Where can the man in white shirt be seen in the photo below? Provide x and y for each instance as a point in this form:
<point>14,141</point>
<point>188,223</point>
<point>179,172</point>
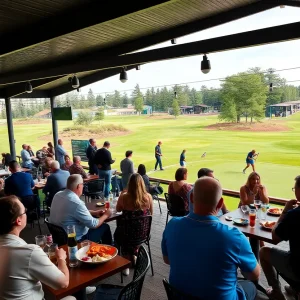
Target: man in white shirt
<point>29,265</point>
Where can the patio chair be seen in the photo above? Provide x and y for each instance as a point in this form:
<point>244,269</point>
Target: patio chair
<point>59,235</point>
<point>131,291</point>
<point>31,202</point>
<point>295,285</point>
<point>135,232</point>
<point>174,294</point>
<point>94,188</point>
<point>154,191</point>
<point>175,205</point>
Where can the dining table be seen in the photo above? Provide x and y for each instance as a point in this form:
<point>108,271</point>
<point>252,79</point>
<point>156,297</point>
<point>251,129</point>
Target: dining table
<point>256,234</point>
<point>3,172</point>
<point>87,275</point>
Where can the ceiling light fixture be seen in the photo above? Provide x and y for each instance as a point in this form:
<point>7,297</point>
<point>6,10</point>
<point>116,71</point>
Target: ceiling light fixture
<point>28,87</point>
<point>173,41</point>
<point>138,67</point>
<point>205,65</point>
<point>123,75</point>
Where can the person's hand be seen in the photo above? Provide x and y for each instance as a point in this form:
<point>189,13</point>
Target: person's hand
<point>107,213</point>
<point>46,174</point>
<point>100,212</point>
<point>290,205</point>
<point>261,187</point>
<point>61,253</point>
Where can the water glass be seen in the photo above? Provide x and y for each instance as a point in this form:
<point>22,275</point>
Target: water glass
<point>264,208</point>
<point>257,204</point>
<point>244,209</point>
<point>52,253</point>
<point>41,241</point>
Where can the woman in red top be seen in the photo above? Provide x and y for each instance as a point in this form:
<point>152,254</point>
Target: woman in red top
<point>180,187</point>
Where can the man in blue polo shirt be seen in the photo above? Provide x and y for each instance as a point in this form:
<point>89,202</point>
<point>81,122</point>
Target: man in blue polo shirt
<point>18,183</point>
<point>204,254</point>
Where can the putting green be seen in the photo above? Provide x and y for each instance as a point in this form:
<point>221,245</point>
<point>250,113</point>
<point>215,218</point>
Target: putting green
<point>278,162</point>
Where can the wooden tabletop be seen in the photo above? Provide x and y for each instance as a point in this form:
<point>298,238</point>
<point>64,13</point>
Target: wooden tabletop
<point>257,232</point>
<point>92,206</point>
<point>90,178</point>
<point>86,275</point>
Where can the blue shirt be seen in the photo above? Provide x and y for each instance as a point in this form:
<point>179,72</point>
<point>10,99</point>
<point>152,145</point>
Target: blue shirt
<point>56,182</point>
<point>26,160</point>
<point>250,154</point>
<point>204,255</point>
<point>68,209</point>
<point>157,150</point>
<point>182,157</point>
<point>60,154</point>
<point>19,184</point>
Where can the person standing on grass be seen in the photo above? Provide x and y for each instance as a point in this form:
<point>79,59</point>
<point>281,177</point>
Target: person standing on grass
<point>158,156</point>
<point>90,154</point>
<point>182,161</point>
<point>250,161</point>
<point>60,152</point>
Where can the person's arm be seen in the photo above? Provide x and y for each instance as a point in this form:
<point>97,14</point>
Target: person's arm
<point>245,199</point>
<point>32,182</point>
<point>42,269</point>
<point>131,167</point>
<point>83,173</point>
<point>111,161</point>
<point>246,259</point>
<point>164,247</point>
<point>281,230</point>
<point>263,194</point>
<point>120,205</point>
<point>48,185</point>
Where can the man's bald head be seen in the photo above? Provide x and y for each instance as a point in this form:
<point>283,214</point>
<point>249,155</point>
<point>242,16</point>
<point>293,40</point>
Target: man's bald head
<point>207,192</point>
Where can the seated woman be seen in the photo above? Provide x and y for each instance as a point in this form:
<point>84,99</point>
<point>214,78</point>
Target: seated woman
<point>253,190</point>
<point>180,187</point>
<point>142,171</point>
<point>68,163</point>
<point>134,202</point>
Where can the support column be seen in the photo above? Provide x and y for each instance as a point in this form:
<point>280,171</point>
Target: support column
<point>54,124</point>
<point>10,128</point>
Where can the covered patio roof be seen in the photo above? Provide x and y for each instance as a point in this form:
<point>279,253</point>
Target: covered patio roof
<point>45,41</point>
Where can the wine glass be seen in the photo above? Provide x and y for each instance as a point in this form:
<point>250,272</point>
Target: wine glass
<point>257,204</point>
<point>244,209</point>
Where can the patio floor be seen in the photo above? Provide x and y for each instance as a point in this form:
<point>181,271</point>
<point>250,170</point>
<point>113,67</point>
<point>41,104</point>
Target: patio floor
<point>153,287</point>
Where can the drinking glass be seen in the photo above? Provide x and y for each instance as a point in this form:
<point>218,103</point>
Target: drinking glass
<point>52,253</point>
<point>41,241</point>
<point>252,215</point>
<point>257,204</point>
<point>264,208</point>
<point>244,209</point>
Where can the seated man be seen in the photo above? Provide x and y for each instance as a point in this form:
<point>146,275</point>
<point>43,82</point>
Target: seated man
<point>28,265</point>
<point>26,158</point>
<point>210,173</point>
<point>204,254</point>
<point>56,181</point>
<point>18,183</point>
<point>68,209</point>
<point>76,168</point>
<point>286,262</point>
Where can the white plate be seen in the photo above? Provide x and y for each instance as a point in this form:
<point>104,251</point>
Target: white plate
<point>274,214</point>
<point>82,253</point>
<point>265,227</point>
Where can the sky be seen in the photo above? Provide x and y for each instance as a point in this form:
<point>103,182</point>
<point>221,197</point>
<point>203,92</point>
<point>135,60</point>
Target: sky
<point>278,56</point>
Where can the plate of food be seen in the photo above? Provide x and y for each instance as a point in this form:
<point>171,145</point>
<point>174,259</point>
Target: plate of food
<point>268,224</point>
<point>240,221</point>
<point>275,211</point>
<point>96,253</point>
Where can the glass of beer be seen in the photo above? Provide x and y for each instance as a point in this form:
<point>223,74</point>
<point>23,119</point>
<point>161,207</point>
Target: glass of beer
<point>52,253</point>
<point>252,216</point>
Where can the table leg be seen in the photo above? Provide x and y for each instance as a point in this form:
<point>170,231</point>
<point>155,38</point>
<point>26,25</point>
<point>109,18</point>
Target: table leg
<point>80,295</point>
<point>254,243</point>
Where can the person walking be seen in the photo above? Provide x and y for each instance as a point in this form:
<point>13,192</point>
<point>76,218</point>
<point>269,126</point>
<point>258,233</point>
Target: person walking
<point>104,161</point>
<point>158,156</point>
<point>90,154</point>
<point>182,161</point>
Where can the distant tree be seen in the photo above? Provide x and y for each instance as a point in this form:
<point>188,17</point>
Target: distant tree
<point>84,118</point>
<point>195,97</point>
<point>124,100</point>
<point>99,114</point>
<point>3,113</point>
<point>136,93</point>
<point>82,102</point>
<point>138,104</point>
<point>175,108</point>
<point>91,99</point>
<point>117,101</point>
<point>99,100</point>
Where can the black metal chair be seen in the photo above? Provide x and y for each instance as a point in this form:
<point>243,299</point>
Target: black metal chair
<point>31,202</point>
<point>174,294</point>
<point>175,205</point>
<point>94,188</point>
<point>295,285</point>
<point>155,193</point>
<point>132,233</point>
<point>59,235</point>
<point>131,291</point>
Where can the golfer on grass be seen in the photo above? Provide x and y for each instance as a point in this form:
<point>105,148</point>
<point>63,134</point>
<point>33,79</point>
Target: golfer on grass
<point>158,155</point>
<point>250,160</point>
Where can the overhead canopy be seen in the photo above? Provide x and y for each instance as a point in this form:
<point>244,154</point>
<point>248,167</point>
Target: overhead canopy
<point>46,41</point>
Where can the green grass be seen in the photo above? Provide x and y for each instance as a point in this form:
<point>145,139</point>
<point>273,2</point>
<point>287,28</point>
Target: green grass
<point>278,162</point>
